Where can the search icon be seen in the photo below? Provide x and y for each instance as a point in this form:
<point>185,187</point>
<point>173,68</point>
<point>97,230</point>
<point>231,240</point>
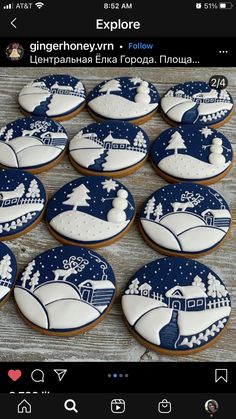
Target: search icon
<point>70,405</point>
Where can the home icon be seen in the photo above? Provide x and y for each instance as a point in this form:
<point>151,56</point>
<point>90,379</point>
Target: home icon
<point>24,407</point>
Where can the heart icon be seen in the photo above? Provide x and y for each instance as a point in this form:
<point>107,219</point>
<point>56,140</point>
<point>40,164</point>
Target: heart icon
<point>14,374</point>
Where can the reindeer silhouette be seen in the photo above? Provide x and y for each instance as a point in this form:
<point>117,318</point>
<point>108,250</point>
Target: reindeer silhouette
<point>191,201</point>
<point>72,266</point>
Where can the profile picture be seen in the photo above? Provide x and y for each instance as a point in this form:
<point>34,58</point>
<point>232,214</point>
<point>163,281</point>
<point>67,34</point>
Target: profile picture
<point>14,51</point>
<point>211,406</point>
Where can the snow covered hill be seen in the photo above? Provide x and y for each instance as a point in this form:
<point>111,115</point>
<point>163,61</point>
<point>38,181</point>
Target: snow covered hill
<point>117,107</point>
<point>79,226</point>
<point>188,167</point>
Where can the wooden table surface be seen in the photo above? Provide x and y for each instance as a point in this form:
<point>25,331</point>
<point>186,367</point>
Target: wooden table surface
<point>110,340</point>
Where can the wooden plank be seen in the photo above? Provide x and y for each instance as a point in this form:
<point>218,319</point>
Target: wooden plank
<point>110,340</point>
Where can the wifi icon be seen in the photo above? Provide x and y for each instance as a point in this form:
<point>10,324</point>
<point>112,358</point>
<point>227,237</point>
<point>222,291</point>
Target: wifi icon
<point>39,5</point>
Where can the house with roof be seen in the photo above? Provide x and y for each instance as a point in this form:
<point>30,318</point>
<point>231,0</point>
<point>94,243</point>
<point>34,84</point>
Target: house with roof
<point>97,293</point>
<point>217,217</point>
<point>187,298</point>
<point>115,143</point>
<point>145,289</point>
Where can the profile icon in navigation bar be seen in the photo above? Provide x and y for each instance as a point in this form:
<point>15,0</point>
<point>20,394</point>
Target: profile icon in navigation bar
<point>211,406</point>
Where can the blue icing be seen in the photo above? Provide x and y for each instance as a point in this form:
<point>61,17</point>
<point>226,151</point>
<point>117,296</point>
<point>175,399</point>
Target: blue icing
<point>194,142</point>
<point>124,87</point>
<point>114,137</point>
<point>67,274</point>
<point>22,201</point>
<point>209,105</point>
<point>54,84</point>
<point>186,218</point>
<point>73,205</point>
<point>8,270</point>
<point>191,298</point>
<point>47,132</point>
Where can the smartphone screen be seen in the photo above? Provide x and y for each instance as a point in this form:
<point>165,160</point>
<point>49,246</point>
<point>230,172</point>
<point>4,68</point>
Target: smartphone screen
<point>117,206</point>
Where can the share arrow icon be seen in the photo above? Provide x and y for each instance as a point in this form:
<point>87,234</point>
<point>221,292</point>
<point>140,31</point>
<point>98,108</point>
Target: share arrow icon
<point>61,374</point>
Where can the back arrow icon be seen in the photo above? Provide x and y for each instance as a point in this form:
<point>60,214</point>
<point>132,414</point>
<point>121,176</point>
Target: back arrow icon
<point>13,22</point>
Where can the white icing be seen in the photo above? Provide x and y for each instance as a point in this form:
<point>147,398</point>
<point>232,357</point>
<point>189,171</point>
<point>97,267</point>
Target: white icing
<point>80,226</point>
<point>191,322</point>
<point>117,107</point>
<point>142,98</point>
<point>7,155</point>
<point>160,235</point>
<point>215,148</point>
<point>30,97</point>
<point>217,160</point>
<point>180,221</point>
<point>122,193</point>
<point>109,185</point>
<point>188,167</point>
<point>84,157</point>
<point>116,216</point>
<point>120,159</point>
<point>120,203</point>
<point>30,307</point>
<point>53,291</point>
<point>209,108</point>
<point>217,141</point>
<point>200,238</point>
<point>61,104</point>
<point>69,314</point>
<point>168,102</point>
<point>187,291</point>
<point>134,306</point>
<point>20,143</point>
<point>79,142</point>
<point>10,213</point>
<point>4,290</point>
<point>151,323</point>
<point>177,112</point>
<point>37,155</point>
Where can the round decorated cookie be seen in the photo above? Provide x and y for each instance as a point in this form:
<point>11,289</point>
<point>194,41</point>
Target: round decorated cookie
<point>130,99</point>
<point>8,271</point>
<point>57,96</point>
<point>111,148</point>
<point>185,219</point>
<point>91,212</point>
<point>66,290</point>
<point>192,153</point>
<point>22,203</point>
<point>33,144</point>
<point>197,102</point>
<point>176,306</point>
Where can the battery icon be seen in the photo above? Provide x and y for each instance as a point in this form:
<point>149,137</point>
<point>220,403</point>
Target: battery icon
<point>226,6</point>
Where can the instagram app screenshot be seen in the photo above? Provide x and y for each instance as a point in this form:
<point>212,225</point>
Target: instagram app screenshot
<point>117,207</point>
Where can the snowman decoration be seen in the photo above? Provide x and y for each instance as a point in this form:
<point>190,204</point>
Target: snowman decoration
<point>216,152</point>
<point>143,91</point>
<point>120,203</point>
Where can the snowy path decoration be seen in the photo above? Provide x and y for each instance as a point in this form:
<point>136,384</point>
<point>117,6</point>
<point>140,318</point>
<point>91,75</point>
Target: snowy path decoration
<point>185,218</point>
<point>192,153</point>
<point>124,98</point>
<point>31,143</point>
<point>110,146</point>
<point>22,201</point>
<point>55,96</point>
<point>176,305</point>
<point>197,103</point>
<point>90,210</point>
<point>7,272</point>
<point>65,290</point>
